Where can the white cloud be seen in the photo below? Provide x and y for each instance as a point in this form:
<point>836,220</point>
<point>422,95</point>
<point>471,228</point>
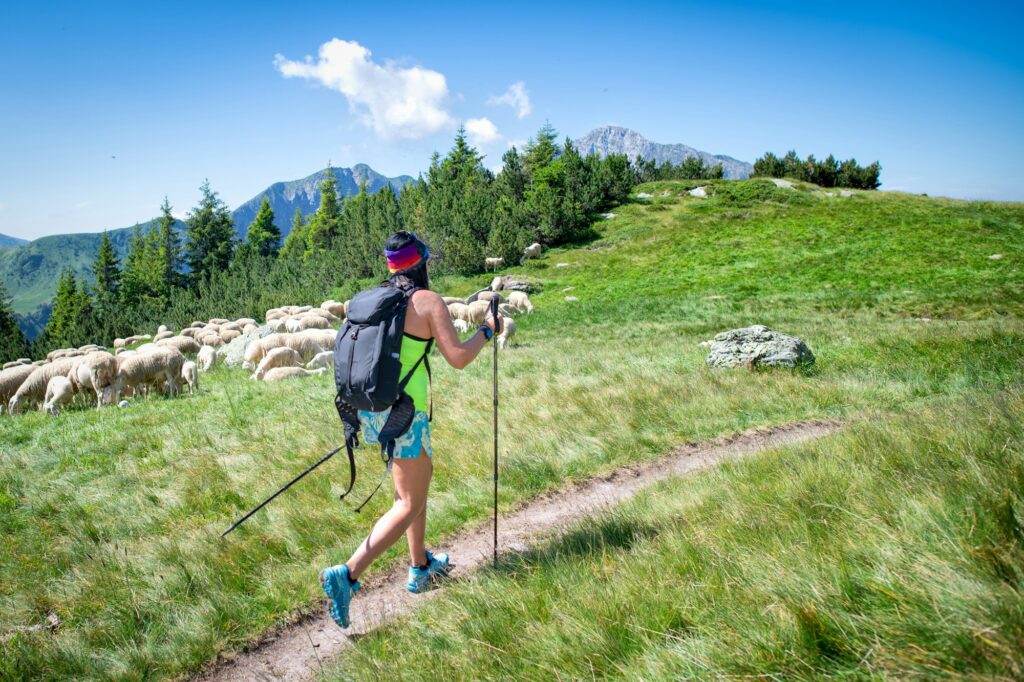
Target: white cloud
<point>396,102</point>
<point>481,131</point>
<point>515,97</point>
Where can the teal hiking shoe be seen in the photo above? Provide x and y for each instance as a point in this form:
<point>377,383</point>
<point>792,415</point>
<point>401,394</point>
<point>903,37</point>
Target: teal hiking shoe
<point>420,579</point>
<point>339,592</point>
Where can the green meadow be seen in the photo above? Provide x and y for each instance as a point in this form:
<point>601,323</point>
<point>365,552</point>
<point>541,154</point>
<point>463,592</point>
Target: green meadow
<point>888,550</point>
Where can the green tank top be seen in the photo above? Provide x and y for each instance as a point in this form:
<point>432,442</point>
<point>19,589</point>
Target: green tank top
<point>412,350</point>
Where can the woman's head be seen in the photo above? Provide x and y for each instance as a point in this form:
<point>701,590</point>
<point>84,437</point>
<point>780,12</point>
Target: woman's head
<point>407,258</point>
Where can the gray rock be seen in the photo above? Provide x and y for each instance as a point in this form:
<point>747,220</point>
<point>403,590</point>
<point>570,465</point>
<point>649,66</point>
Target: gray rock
<point>608,216</point>
<point>644,195</point>
<point>699,192</point>
<point>232,354</point>
<point>571,298</point>
<point>511,284</point>
<point>758,346</point>
<point>996,256</point>
<point>846,193</point>
<point>782,183</point>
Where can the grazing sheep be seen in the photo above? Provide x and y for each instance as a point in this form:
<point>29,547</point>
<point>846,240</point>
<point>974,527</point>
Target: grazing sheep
<point>448,300</point>
<point>274,314</point>
<point>230,327</point>
<point>493,262</point>
<point>461,326</point>
<point>190,375</point>
<point>119,343</point>
<point>59,392</point>
<point>207,358</point>
<point>198,324</point>
<point>477,312</point>
<point>277,324</point>
<point>37,363</point>
<point>279,373</point>
<point>531,251</point>
<point>159,367</point>
<point>242,321</point>
<point>161,329</point>
<point>11,379</point>
<point>324,337</point>
<point>182,343</point>
<point>229,335</point>
<point>98,371</point>
<point>249,328</point>
<point>160,336</point>
<point>33,389</point>
<point>506,310</point>
<point>487,295</point>
<point>520,301</point>
<point>190,332</point>
<point>218,320</point>
<point>458,311</point>
<point>322,359</point>
<point>146,347</point>
<point>308,321</point>
<point>277,357</point>
<point>307,344</point>
<point>320,312</point>
<point>334,307</point>
<point>15,363</point>
<point>497,283</point>
<point>508,330</point>
<point>212,327</point>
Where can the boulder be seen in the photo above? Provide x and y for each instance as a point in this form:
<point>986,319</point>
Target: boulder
<point>699,192</point>
<point>757,346</point>
<point>233,353</point>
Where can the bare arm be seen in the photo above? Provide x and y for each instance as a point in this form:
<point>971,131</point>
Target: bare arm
<point>457,353</point>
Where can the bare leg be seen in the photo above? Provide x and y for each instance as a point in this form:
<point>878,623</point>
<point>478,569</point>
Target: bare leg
<point>412,482</point>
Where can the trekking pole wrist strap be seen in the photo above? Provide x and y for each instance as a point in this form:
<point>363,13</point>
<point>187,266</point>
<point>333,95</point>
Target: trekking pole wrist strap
<point>488,332</point>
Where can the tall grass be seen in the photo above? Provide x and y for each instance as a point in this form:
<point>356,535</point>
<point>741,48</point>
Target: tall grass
<point>111,519</point>
<point>892,550</point>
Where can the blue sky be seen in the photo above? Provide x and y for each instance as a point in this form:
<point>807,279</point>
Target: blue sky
<point>182,91</point>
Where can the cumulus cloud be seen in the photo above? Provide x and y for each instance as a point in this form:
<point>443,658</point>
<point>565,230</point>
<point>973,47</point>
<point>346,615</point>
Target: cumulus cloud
<point>395,101</point>
<point>515,97</point>
<point>481,131</point>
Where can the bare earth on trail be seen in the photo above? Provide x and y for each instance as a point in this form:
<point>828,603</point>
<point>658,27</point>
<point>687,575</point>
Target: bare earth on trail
<point>295,652</point>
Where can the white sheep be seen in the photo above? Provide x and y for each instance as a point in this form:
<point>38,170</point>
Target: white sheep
<point>182,343</point>
<point>477,312</point>
<point>279,373</point>
<point>59,392</point>
<point>249,328</point>
<point>207,358</point>
<point>33,389</point>
<point>274,314</point>
<point>161,329</point>
<point>160,336</point>
<point>218,320</point>
<point>11,379</point>
<point>461,326</point>
<point>497,283</point>
<point>493,262</point>
<point>531,251</point>
<point>229,335</point>
<point>190,375</point>
<point>277,324</point>
<point>506,310</point>
<point>458,311</point>
<point>98,371</point>
<point>520,301</point>
<point>307,344</point>
<point>119,343</point>
<point>334,307</point>
<point>190,332</point>
<point>448,300</point>
<point>277,357</point>
<point>487,295</point>
<point>323,359</point>
<point>324,337</point>
<point>508,330</point>
<point>242,321</point>
<point>160,367</point>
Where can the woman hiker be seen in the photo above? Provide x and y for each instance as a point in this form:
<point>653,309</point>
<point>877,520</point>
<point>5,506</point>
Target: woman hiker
<point>426,318</point>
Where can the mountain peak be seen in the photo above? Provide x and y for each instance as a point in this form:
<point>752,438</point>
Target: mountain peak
<point>618,140</point>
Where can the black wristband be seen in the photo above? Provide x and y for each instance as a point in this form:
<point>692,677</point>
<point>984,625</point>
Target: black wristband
<point>488,332</point>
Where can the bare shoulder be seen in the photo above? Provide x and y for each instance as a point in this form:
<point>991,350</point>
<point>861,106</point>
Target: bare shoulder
<point>425,299</point>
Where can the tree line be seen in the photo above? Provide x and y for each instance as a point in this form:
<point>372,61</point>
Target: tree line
<point>546,193</point>
<point>828,172</point>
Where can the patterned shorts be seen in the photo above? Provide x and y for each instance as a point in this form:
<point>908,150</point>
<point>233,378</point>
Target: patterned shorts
<point>407,446</point>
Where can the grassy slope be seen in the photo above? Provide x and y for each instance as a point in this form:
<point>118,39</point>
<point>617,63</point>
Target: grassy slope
<point>111,519</point>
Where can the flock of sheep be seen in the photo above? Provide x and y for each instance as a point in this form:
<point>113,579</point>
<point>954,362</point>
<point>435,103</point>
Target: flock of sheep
<point>296,341</point>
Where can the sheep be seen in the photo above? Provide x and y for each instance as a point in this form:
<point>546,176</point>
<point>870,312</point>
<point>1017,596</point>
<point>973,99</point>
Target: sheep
<point>461,326</point>
<point>320,312</point>
<point>242,321</point>
<point>11,379</point>
<point>333,307</point>
<point>531,251</point>
<point>90,347</point>
<point>279,373</point>
<point>306,322</point>
<point>119,343</point>
<point>448,300</point>
<point>160,336</point>
<point>190,375</point>
<point>212,327</point>
<point>493,262</point>
<point>98,371</point>
<point>458,311</point>
<point>487,295</point>
<point>231,327</point>
<point>277,324</point>
<point>506,310</point>
<point>15,363</point>
<point>508,330</point>
<point>161,366</point>
<point>207,358</point>
<point>218,320</point>
<point>321,359</point>
<point>497,283</point>
<point>477,312</point>
<point>198,324</point>
<point>307,344</point>
<point>182,343</point>
<point>59,392</point>
<point>249,329</point>
<point>146,347</point>
<point>277,357</point>
<point>520,301</point>
<point>274,314</point>
<point>161,329</point>
<point>324,337</point>
<point>37,363</point>
<point>230,335</point>
<point>190,332</point>
<point>214,340</point>
<point>33,388</point>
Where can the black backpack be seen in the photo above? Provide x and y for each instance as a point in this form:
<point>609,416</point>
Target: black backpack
<point>367,370</point>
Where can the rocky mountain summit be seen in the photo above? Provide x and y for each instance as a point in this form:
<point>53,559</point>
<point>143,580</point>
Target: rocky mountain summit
<point>617,140</point>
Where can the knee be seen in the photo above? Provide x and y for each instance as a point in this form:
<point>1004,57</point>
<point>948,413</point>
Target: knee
<point>407,509</point>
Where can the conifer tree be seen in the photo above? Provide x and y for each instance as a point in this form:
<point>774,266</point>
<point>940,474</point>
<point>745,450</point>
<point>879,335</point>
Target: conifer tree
<point>170,250</point>
<point>107,273</point>
<point>263,236</point>
<point>295,242</point>
<point>13,344</point>
<point>210,236</point>
<point>326,222</point>
<point>543,150</point>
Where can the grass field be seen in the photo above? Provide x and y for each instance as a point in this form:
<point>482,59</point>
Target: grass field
<point>111,519</point>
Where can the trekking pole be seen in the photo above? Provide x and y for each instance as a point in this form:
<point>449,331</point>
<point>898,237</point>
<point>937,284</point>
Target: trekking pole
<point>497,328</point>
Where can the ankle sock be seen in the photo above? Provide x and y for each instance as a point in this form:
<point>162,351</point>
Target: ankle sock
<point>424,567</point>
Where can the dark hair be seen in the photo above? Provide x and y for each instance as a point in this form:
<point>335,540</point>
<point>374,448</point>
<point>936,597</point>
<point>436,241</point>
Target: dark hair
<point>416,275</point>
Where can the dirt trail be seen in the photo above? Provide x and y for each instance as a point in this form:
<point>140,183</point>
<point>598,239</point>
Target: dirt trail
<point>296,652</point>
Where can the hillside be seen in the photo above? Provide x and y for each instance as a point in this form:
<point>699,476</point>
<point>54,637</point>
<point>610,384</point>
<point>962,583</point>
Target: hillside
<point>617,140</point>
<point>898,298</point>
<point>30,269</point>
<point>7,242</point>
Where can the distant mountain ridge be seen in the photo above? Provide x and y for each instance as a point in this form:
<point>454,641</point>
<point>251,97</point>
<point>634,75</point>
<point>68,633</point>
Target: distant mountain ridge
<point>618,140</point>
<point>30,269</point>
<point>7,241</point>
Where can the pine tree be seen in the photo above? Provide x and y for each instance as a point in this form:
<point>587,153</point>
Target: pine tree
<point>210,236</point>
<point>107,272</point>
<point>542,151</point>
<point>295,242</point>
<point>326,222</point>
<point>13,344</point>
<point>170,250</point>
<point>71,318</point>
<point>263,235</point>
